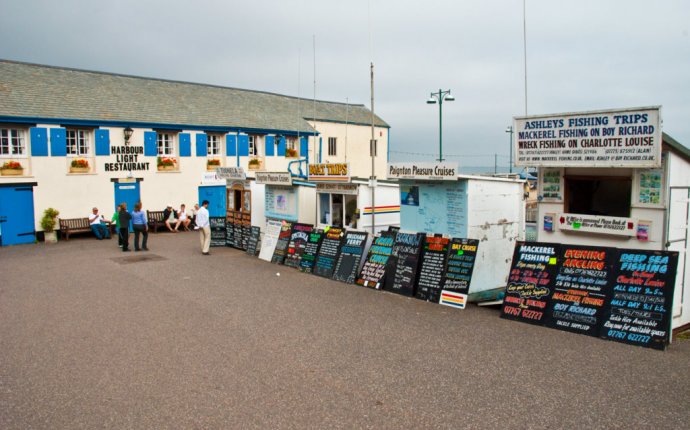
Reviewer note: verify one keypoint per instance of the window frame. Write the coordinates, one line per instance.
(567, 193)
(18, 150)
(333, 146)
(76, 149)
(252, 140)
(165, 140)
(213, 141)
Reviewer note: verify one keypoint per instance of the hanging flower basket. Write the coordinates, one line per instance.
(291, 153)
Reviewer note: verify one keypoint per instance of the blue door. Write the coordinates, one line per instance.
(17, 222)
(127, 192)
(215, 194)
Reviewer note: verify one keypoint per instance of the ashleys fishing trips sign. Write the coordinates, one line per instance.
(610, 138)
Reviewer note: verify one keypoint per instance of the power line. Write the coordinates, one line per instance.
(449, 155)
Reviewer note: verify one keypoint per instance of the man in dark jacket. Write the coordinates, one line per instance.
(125, 218)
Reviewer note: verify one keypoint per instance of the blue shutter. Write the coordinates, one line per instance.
(281, 146)
(231, 145)
(243, 147)
(201, 145)
(270, 145)
(304, 146)
(102, 142)
(58, 142)
(185, 145)
(150, 146)
(39, 141)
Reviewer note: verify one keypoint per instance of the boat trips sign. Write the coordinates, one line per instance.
(611, 138)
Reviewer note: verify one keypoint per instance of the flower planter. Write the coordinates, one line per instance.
(212, 167)
(166, 168)
(12, 172)
(79, 170)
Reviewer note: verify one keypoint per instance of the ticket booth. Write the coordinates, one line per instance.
(285, 198)
(610, 178)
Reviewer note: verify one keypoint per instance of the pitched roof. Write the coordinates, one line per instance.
(674, 144)
(48, 92)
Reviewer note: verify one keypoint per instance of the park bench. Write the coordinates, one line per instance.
(76, 225)
(155, 220)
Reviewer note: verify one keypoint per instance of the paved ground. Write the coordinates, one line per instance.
(91, 340)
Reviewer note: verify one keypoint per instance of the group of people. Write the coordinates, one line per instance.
(122, 218)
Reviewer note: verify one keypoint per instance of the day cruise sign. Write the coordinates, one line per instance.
(424, 171)
(335, 172)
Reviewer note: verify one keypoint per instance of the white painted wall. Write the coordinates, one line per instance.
(679, 176)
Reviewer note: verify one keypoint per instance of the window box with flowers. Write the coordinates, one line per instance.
(79, 165)
(291, 153)
(12, 168)
(212, 164)
(166, 164)
(255, 164)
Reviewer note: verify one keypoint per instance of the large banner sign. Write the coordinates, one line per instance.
(611, 138)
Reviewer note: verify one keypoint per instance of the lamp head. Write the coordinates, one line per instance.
(431, 101)
(449, 98)
(128, 134)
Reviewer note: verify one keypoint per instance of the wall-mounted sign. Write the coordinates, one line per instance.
(335, 188)
(211, 178)
(273, 178)
(611, 138)
(597, 224)
(127, 159)
(336, 172)
(424, 171)
(235, 173)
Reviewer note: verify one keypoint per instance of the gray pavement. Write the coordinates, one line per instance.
(90, 338)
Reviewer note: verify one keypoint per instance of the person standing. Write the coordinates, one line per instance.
(116, 220)
(202, 222)
(140, 226)
(124, 218)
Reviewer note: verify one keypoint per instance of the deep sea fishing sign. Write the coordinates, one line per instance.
(610, 138)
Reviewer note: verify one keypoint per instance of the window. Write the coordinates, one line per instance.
(291, 142)
(372, 148)
(12, 142)
(253, 150)
(607, 196)
(332, 146)
(213, 145)
(78, 142)
(165, 144)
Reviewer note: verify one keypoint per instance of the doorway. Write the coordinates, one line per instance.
(17, 222)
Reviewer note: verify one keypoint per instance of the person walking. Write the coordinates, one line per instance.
(140, 226)
(204, 227)
(116, 220)
(124, 218)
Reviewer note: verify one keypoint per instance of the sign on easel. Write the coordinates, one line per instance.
(270, 239)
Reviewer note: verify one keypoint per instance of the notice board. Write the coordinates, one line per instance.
(298, 242)
(432, 267)
(254, 239)
(217, 225)
(270, 239)
(377, 265)
(280, 250)
(405, 256)
(328, 252)
(351, 253)
(311, 250)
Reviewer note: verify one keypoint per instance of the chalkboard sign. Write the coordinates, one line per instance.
(311, 250)
(531, 281)
(328, 252)
(239, 234)
(217, 231)
(351, 253)
(642, 298)
(229, 234)
(254, 238)
(405, 255)
(432, 266)
(393, 229)
(374, 271)
(298, 242)
(462, 254)
(580, 299)
(268, 244)
(282, 244)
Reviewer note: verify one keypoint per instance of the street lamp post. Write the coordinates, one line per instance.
(440, 96)
(509, 130)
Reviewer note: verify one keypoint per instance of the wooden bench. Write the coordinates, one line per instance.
(155, 220)
(77, 225)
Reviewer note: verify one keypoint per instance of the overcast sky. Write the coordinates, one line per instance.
(581, 55)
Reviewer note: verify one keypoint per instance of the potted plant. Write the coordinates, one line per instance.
(12, 168)
(291, 153)
(254, 164)
(166, 163)
(48, 225)
(212, 163)
(79, 165)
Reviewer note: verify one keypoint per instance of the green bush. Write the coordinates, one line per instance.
(48, 220)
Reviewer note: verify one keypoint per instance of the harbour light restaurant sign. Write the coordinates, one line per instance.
(423, 171)
(334, 172)
(611, 138)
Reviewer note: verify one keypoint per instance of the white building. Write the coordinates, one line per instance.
(152, 140)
